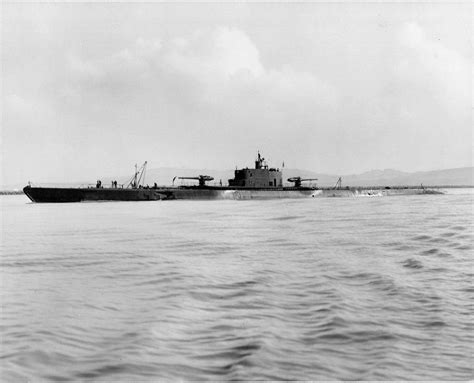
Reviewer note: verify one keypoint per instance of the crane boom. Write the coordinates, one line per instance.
(138, 177)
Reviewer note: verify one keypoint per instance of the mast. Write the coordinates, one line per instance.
(142, 174)
(137, 177)
(259, 161)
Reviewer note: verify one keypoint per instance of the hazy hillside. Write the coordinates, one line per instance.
(459, 176)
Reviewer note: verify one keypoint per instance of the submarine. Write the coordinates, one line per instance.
(259, 182)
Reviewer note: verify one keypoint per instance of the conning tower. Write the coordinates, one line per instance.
(260, 177)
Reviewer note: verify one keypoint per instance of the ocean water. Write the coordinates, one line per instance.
(314, 289)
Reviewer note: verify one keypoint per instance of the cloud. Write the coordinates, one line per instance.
(217, 53)
(115, 84)
(211, 85)
(222, 52)
(212, 65)
(427, 63)
(17, 104)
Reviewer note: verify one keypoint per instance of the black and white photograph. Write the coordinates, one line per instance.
(236, 190)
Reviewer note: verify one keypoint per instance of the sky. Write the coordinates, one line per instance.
(90, 89)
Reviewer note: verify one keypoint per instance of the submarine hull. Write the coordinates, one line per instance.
(238, 194)
(43, 194)
(190, 193)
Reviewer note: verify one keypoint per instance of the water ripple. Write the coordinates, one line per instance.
(238, 290)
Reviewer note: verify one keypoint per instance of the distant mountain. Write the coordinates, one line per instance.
(455, 177)
(381, 174)
(386, 177)
(458, 176)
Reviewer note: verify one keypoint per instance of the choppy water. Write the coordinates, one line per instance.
(356, 288)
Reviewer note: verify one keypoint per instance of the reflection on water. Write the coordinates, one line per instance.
(357, 288)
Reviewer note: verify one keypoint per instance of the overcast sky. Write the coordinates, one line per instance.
(88, 90)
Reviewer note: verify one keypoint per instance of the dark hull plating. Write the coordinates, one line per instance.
(39, 194)
(238, 193)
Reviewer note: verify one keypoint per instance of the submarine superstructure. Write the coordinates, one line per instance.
(260, 182)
